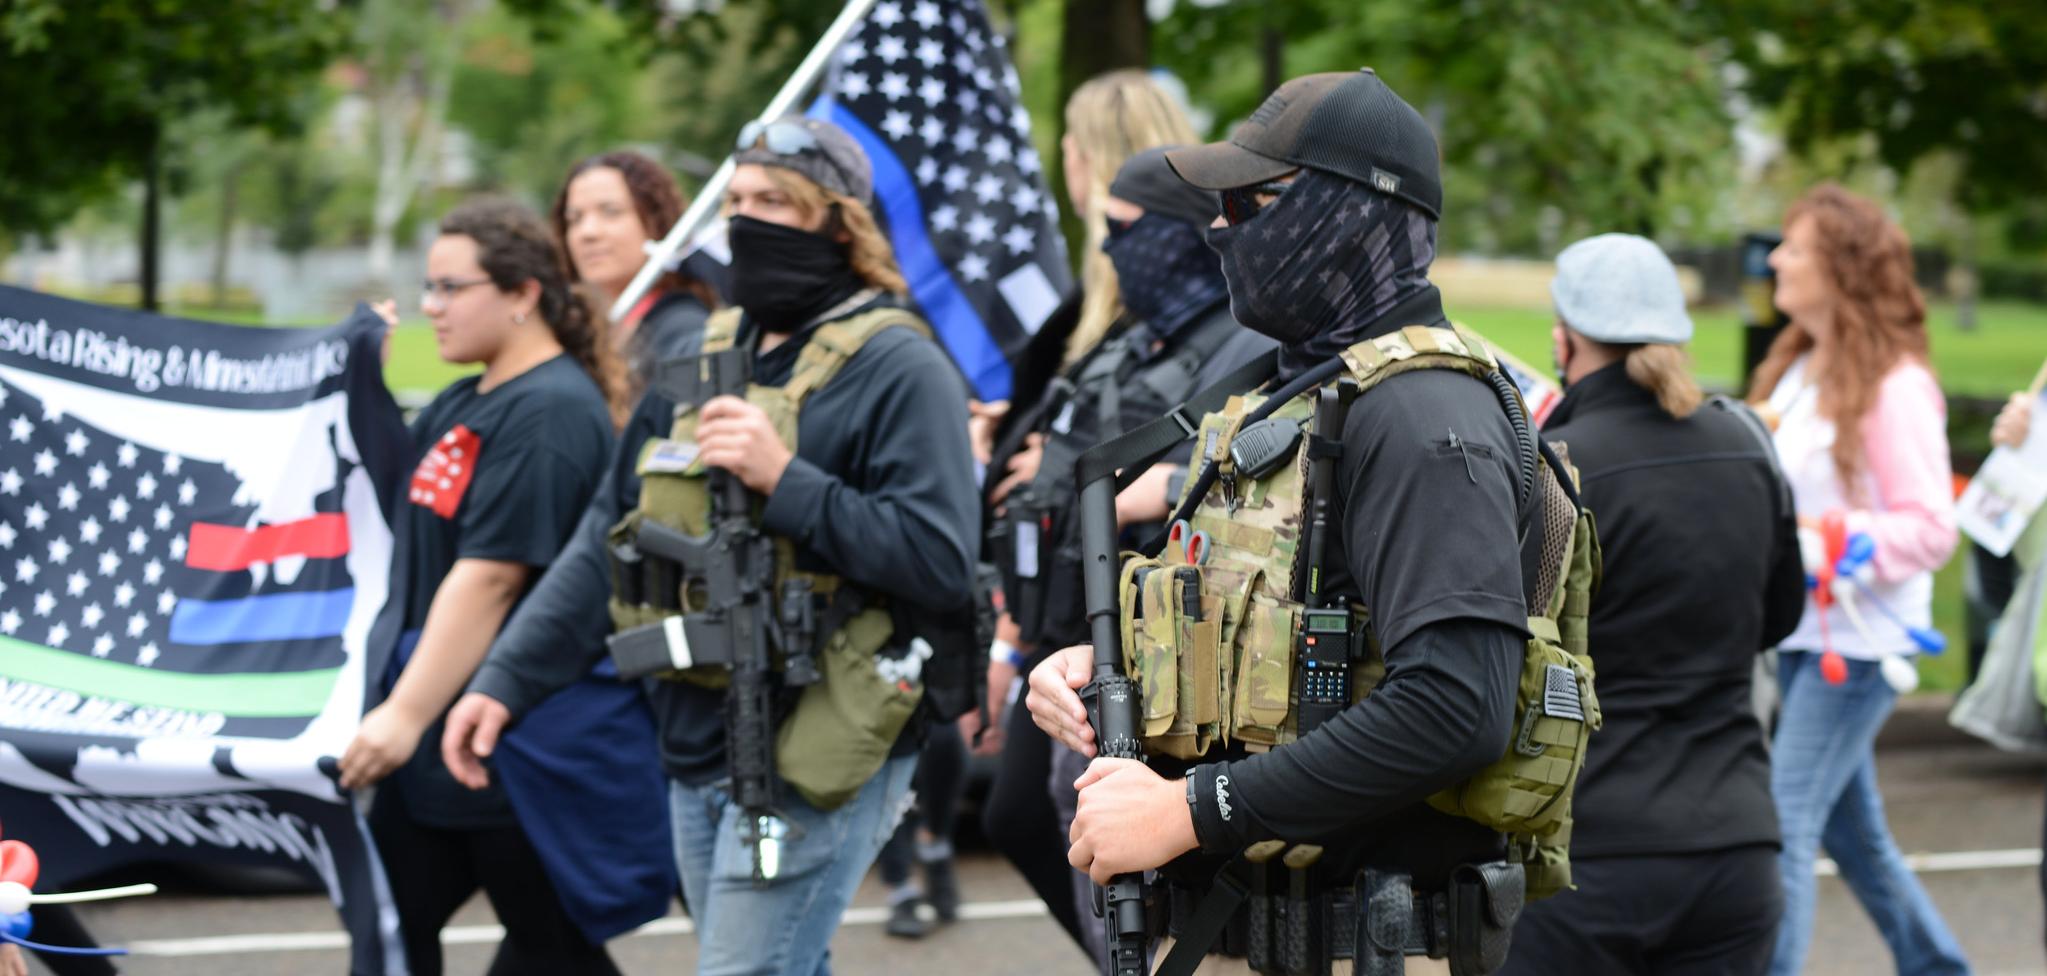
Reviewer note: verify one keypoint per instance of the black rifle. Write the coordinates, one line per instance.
(729, 620)
(1112, 706)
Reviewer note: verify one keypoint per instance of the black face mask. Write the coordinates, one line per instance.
(784, 277)
(1167, 273)
(1317, 267)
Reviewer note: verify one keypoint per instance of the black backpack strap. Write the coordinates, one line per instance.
(1101, 382)
(1755, 426)
(1137, 450)
(1172, 379)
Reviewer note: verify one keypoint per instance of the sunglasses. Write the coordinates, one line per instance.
(787, 139)
(1241, 203)
(780, 138)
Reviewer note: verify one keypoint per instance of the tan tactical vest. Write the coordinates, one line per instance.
(842, 727)
(1224, 672)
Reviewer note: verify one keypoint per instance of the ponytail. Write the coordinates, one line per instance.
(1663, 370)
(578, 324)
(513, 247)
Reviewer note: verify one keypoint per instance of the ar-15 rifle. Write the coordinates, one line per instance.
(1112, 704)
(728, 620)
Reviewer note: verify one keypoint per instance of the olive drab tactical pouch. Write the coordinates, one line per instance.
(840, 726)
(1231, 648)
(1526, 794)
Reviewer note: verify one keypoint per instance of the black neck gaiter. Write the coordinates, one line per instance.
(784, 277)
(1319, 266)
(1167, 274)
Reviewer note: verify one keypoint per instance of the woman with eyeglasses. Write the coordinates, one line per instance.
(503, 464)
(610, 207)
(863, 478)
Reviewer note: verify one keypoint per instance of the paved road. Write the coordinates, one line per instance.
(1942, 799)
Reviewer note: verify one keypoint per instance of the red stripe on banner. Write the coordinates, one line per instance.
(230, 547)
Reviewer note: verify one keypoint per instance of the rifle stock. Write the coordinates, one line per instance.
(1113, 705)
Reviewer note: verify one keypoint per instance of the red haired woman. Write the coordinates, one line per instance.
(1861, 434)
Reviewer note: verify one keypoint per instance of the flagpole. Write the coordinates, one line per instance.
(674, 247)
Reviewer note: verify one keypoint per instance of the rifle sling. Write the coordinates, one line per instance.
(1139, 449)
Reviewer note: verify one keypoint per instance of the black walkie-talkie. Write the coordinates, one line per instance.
(1325, 642)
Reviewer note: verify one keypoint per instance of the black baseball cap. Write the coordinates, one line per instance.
(1343, 122)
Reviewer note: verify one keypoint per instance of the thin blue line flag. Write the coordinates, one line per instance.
(928, 89)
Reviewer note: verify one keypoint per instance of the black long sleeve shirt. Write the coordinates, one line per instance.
(1702, 574)
(1428, 521)
(881, 492)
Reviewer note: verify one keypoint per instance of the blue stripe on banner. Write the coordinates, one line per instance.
(958, 325)
(270, 617)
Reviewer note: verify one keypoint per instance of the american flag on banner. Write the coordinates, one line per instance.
(194, 556)
(928, 89)
(117, 551)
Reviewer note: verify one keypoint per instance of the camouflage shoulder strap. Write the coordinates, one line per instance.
(1418, 347)
(721, 330)
(834, 343)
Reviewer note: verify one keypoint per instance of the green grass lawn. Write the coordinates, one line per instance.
(1997, 357)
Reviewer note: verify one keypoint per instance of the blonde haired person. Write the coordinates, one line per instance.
(876, 493)
(1109, 119)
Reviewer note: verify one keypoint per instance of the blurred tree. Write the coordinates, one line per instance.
(94, 89)
(408, 51)
(1555, 120)
(531, 101)
(1967, 77)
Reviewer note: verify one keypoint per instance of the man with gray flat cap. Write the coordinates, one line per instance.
(1675, 845)
(1331, 649)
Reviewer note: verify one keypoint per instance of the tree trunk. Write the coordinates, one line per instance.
(1099, 36)
(152, 216)
(1272, 51)
(223, 241)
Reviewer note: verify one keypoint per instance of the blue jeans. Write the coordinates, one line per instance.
(1823, 776)
(785, 928)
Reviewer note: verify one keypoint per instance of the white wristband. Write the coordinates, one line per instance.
(1002, 650)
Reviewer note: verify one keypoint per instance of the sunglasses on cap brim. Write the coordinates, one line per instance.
(780, 138)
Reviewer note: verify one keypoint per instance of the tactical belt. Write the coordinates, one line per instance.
(1377, 923)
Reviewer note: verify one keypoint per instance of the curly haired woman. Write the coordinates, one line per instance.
(1861, 434)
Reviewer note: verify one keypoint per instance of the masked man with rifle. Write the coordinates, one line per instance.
(1359, 667)
(786, 546)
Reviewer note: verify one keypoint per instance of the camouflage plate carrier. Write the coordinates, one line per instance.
(1215, 645)
(841, 727)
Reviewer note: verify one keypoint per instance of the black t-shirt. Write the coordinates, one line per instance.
(1427, 521)
(499, 475)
